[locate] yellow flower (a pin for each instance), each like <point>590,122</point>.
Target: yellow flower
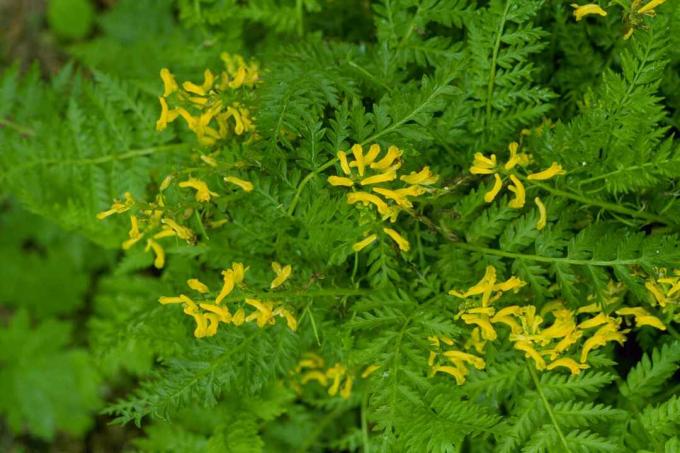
<point>516,158</point>
<point>658,294</point>
<point>203,194</point>
<point>134,233</point>
<point>642,317</point>
<point>346,390</point>
<point>583,10</point>
<point>595,321</point>
<point>604,335</point>
<point>180,231</point>
<point>457,373</point>
<point>247,186</point>
<point>497,186</point>
<point>159,261</point>
<point>542,214</point>
<point>505,316</point>
<point>472,359</point>
<point>476,341</point>
<point>169,84</point>
<point>290,319</point>
<point>483,165</point>
<point>357,247</point>
<point>231,278</point>
<point>531,353</point>
<point>520,194</point>
<point>358,152</point>
<point>482,321</point>
<point>167,115</point>
<point>118,207</point>
<point>337,372</point>
<point>571,364</point>
<point>201,324</point>
<point>197,285</point>
<point>340,181</point>
<point>315,375</point>
<point>201,90</point>
<point>649,7</point>
<point>367,198</point>
<point>389,175</point>
<point>282,274</point>
<point>221,312</point>
<point>264,313</point>
<point>423,177</point>
<point>369,371</point>
<point>342,157</point>
<point>554,170</point>
<point>239,317</point>
<point>393,153</point>
<point>403,244</point>
<point>373,152</point>
<point>395,195</point>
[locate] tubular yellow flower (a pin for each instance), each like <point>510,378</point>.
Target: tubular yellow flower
<point>118,207</point>
<point>167,115</point>
<point>657,293</point>
<point>649,7</point>
<point>197,285</point>
<point>411,191</point>
<point>483,165</point>
<point>165,183</point>
<point>595,321</point>
<point>642,317</point>
<point>342,157</point>
<point>542,214</point>
<point>604,335</point>
<point>203,194</point>
<point>583,10</point>
<point>290,319</point>
<point>373,152</point>
<point>340,181</point>
<point>169,83</point>
<point>513,283</point>
<point>403,244</point>
<point>134,233</point>
<point>264,313</point>
<point>531,353</point>
<point>482,321</point>
<point>359,246</point>
<point>367,198</point>
<point>457,373</point>
<point>182,232</point>
<point>554,170</point>
<point>358,152</point>
<point>423,177</point>
<point>515,158</point>
<point>394,195</point>
<point>346,390</point>
<point>377,179</point>
<point>393,153</point>
<point>520,194</point>
<point>159,261</point>
<point>570,364</point>
<point>497,186</point>
<point>213,324</point>
<point>369,371</point>
<point>228,285</point>
<point>476,341</point>
<point>247,186</point>
<point>315,375</point>
<point>239,317</point>
<point>472,359</point>
<point>221,312</point>
<point>282,274</point>
<point>164,300</point>
<point>336,373</point>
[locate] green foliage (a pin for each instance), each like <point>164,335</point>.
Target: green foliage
<point>441,80</point>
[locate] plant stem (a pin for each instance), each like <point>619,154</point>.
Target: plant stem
<point>548,408</point>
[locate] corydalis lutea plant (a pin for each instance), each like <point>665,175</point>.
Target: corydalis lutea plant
<point>566,343</point>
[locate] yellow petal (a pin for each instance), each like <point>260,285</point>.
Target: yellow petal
<point>531,353</point>
<point>342,157</point>
<point>488,332</point>
<point>358,152</point>
<point>403,244</point>
<point>571,364</point>
<point>472,359</point>
<point>657,293</point>
<point>318,376</point>
<point>247,186</point>
<point>346,390</point>
<point>203,193</point>
<point>222,312</point>
<point>453,371</point>
<point>554,170</point>
<point>393,195</point>
<point>483,165</point>
<point>393,153</point>
<point>497,186</point>
<point>520,194</point>
<point>357,247</point>
<point>424,177</point>
<point>584,10</point>
<point>649,7</point>
<point>282,274</point>
<point>377,179</point>
<point>197,285</point>
<point>373,152</point>
<point>239,317</point>
<point>158,251</point>
<point>227,287</point>
<point>542,214</point>
<point>340,181</point>
<point>367,198</point>
<point>369,370</point>
<point>169,83</point>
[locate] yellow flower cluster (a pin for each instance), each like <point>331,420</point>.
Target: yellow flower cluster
<point>665,290</point>
<point>368,170</point>
<point>483,165</point>
<point>213,110</point>
<point>456,361</point>
<point>151,221</point>
<point>209,312</point>
<point>338,379</point>
<point>634,17</point>
<point>546,337</point>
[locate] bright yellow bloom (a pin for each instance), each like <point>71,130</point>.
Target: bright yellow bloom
<point>221,312</point>
<point>367,198</point>
<point>346,390</point>
<point>264,313</point>
<point>456,372</point>
<point>394,195</point>
<point>505,316</point>
<point>583,10</point>
<point>180,231</point>
<point>369,371</point>
<point>247,186</point>
<point>134,233</point>
<point>357,247</point>
<point>642,317</point>
<point>373,152</point>
<point>340,181</point>
<point>239,317</point>
<point>482,321</point>
<point>203,193</point>
<point>554,170</point>
<point>658,294</point>
<point>167,115</point>
<point>516,158</point>
<point>201,324</point>
<point>315,375</point>
<point>389,175</point>
<point>403,244</point>
<point>542,214</point>
<point>290,319</point>
<point>342,157</point>
<point>472,359</point>
<point>118,207</point>
<point>595,321</point>
<point>197,285</point>
<point>649,7</point>
<point>169,83</point>
<point>476,341</point>
<point>423,177</point>
<point>511,284</point>
<point>520,194</point>
<point>358,152</point>
<point>337,372</point>
<point>531,353</point>
<point>483,165</point>
<point>604,335</point>
<point>159,261</point>
<point>571,364</point>
<point>282,274</point>
<point>393,154</point>
<point>228,285</point>
<point>209,160</point>
<point>497,186</point>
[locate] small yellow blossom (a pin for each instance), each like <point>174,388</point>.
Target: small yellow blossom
<point>367,198</point>
<point>247,186</point>
<point>336,373</point>
<point>169,83</point>
<point>263,314</point>
<point>389,175</point>
<point>282,274</point>
<point>542,214</point>
<point>291,321</point>
<point>423,177</point>
<point>357,247</point>
<point>180,231</point>
<point>531,353</point>
<point>344,164</point>
<point>315,375</point>
<point>393,154</point>
<point>239,317</point>
<point>554,170</point>
<point>483,165</point>
<point>203,194</point>
<point>472,359</point>
<point>458,373</point>
<point>167,115</point>
<point>497,186</point>
<point>369,370</point>
<point>159,261</point>
<point>359,163</point>
<point>520,194</point>
<point>403,244</point>
<point>197,285</point>
<point>566,362</point>
<point>134,233</point>
<point>648,8</point>
<point>221,312</point>
<point>583,10</point>
<point>516,158</point>
<point>340,181</point>
<point>642,317</point>
<point>118,207</point>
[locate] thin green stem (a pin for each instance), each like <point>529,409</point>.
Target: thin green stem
<point>364,423</point>
<point>548,408</point>
<point>303,183</point>
<point>4,122</point>
<point>370,76</point>
<point>494,58</point>
<point>299,13</point>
